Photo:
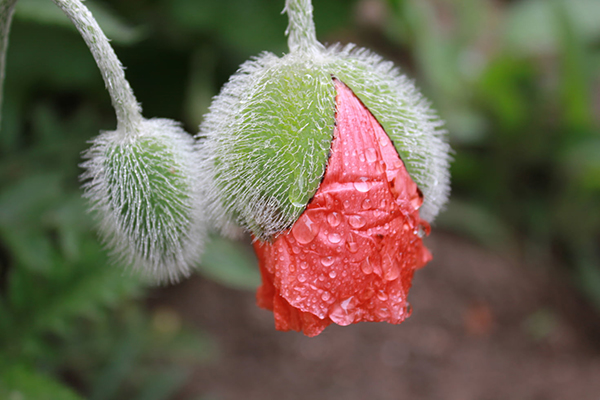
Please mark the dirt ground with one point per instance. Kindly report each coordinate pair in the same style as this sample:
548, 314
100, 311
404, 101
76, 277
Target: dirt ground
484, 327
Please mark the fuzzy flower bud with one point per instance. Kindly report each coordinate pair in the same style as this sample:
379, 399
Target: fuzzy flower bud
140, 179
336, 164
144, 191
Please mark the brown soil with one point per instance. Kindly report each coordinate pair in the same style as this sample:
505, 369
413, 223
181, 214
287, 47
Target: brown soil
483, 327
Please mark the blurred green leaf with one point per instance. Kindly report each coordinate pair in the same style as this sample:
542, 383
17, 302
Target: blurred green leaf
230, 263
531, 26
20, 383
472, 220
45, 12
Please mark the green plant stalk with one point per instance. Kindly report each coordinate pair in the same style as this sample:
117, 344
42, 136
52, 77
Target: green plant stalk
127, 108
301, 31
7, 9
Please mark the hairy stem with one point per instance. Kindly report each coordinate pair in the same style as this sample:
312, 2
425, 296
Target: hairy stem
126, 106
7, 9
301, 28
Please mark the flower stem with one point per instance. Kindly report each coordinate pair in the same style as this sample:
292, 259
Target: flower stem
301, 32
7, 9
123, 100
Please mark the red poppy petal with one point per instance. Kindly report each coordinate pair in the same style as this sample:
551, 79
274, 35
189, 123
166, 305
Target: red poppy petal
351, 255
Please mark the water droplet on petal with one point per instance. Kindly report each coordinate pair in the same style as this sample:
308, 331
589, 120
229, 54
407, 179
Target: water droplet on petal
326, 296
356, 221
334, 238
382, 313
332, 274
346, 204
416, 199
334, 219
362, 185
381, 295
344, 312
390, 269
327, 261
366, 266
352, 247
305, 230
371, 154
366, 205
302, 278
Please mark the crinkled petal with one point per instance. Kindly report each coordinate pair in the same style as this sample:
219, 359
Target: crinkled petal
351, 255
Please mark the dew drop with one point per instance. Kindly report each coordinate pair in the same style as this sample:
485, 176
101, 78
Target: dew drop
327, 261
303, 265
334, 219
366, 205
383, 313
296, 250
326, 296
362, 185
416, 199
371, 154
305, 230
381, 295
341, 316
352, 247
346, 204
332, 274
302, 278
334, 238
366, 266
356, 221
346, 304
390, 269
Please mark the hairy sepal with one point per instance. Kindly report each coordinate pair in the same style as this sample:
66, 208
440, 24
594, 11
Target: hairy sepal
268, 135
406, 116
143, 189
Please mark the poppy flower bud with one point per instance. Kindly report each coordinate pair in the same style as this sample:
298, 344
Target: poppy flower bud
140, 178
144, 190
336, 165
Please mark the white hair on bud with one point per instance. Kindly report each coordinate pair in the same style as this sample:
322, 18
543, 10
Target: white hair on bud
406, 116
260, 166
144, 190
250, 186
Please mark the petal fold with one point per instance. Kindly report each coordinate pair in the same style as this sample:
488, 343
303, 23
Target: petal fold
351, 255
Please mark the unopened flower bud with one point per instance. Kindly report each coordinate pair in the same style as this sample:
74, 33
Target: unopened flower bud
144, 189
336, 164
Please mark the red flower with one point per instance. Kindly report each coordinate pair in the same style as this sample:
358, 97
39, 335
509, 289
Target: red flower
351, 255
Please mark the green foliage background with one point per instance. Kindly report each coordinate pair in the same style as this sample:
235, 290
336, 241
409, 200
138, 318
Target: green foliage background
517, 82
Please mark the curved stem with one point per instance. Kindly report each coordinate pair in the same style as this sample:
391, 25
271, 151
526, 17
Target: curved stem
301, 28
126, 106
7, 9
